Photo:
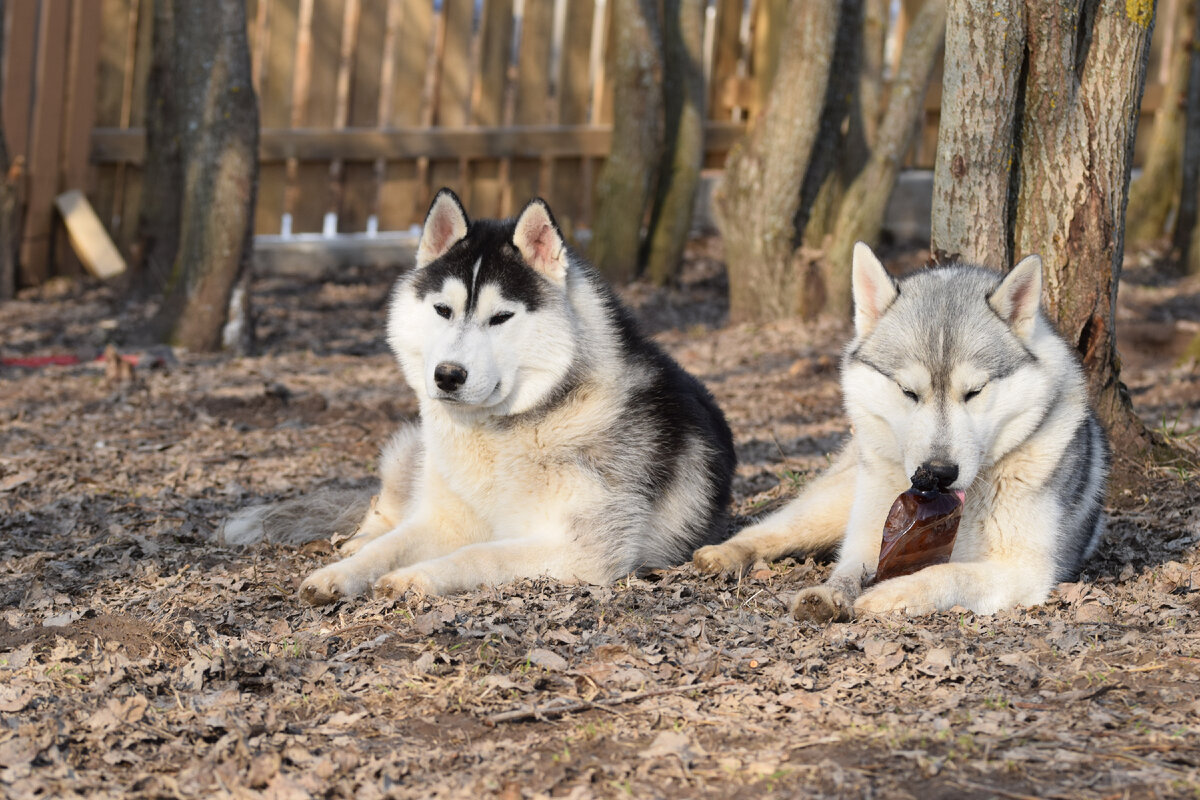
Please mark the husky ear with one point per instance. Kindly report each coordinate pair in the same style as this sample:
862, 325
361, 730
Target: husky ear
1019, 296
541, 242
445, 225
874, 290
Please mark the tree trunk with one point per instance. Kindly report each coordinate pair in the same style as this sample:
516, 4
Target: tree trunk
218, 137
624, 186
1154, 195
980, 85
757, 200
1186, 245
861, 212
158, 218
683, 151
1077, 135
10, 205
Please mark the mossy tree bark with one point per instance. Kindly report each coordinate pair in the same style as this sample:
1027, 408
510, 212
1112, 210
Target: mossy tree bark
683, 149
215, 118
1073, 116
623, 189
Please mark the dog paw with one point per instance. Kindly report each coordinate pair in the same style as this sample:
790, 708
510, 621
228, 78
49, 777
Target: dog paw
406, 581
822, 604
352, 545
891, 596
726, 558
330, 584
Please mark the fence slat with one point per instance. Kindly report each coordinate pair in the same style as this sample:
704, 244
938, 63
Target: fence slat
574, 98
83, 52
401, 197
532, 96
18, 80
133, 113
453, 93
358, 177
488, 100
312, 198
45, 135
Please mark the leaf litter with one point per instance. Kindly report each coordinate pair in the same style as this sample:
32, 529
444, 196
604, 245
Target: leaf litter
140, 658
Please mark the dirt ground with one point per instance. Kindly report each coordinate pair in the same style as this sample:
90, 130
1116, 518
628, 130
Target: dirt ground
139, 658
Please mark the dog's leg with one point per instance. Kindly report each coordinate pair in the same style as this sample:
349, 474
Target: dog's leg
874, 490
814, 521
985, 587
399, 470
487, 564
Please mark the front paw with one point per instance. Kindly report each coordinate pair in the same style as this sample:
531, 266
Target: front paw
727, 558
332, 583
897, 594
822, 604
406, 581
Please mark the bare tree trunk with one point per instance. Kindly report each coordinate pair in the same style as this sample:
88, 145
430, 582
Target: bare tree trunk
624, 186
1077, 136
860, 214
980, 85
757, 200
158, 218
1154, 195
683, 151
10, 206
218, 135
1186, 246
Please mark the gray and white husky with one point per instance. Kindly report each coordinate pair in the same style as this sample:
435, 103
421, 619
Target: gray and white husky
958, 370
553, 439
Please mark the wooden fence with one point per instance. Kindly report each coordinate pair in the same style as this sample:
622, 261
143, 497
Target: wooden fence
368, 106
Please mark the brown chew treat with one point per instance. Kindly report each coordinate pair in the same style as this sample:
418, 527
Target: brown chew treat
920, 528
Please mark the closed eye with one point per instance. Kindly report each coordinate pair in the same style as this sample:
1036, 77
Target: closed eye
442, 310
910, 394
971, 394
501, 318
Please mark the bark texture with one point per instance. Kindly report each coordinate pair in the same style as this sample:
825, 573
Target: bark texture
860, 215
10, 205
1085, 77
158, 218
985, 47
217, 126
1155, 194
624, 185
1186, 244
758, 199
683, 150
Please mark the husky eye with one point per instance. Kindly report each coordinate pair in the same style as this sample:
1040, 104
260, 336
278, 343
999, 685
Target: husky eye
971, 394
442, 310
501, 318
910, 394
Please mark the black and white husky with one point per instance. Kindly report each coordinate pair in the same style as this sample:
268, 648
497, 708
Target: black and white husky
553, 439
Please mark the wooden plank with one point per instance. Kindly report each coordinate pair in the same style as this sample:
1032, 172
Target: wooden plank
83, 52
19, 75
401, 196
454, 87
573, 100
133, 112
488, 96
313, 198
359, 190
45, 136
114, 25
88, 237
727, 50
110, 145
532, 97
276, 54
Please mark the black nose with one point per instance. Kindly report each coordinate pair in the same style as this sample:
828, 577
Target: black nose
945, 473
449, 376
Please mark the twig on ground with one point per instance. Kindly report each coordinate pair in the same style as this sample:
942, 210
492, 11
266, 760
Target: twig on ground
547, 712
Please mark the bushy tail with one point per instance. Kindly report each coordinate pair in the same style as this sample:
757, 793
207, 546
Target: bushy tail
318, 515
